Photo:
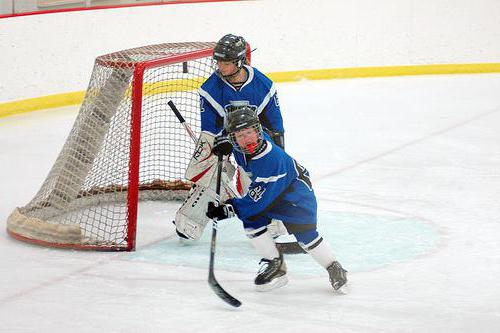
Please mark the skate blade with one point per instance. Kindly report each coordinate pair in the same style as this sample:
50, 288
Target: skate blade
344, 290
274, 284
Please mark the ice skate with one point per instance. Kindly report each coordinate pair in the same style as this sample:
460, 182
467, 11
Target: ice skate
337, 275
271, 275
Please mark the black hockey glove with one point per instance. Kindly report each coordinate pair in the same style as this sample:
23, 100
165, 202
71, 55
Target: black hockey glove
219, 212
222, 146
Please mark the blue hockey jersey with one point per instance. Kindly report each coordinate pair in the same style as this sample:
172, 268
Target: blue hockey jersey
280, 189
259, 91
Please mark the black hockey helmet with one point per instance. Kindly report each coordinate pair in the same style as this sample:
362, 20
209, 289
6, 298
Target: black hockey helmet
240, 117
231, 48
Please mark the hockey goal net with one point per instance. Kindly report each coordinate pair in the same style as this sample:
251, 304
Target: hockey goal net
125, 145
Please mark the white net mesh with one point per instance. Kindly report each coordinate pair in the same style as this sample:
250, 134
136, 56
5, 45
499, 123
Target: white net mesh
87, 190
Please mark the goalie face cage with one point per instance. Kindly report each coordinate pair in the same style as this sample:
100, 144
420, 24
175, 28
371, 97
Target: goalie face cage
125, 145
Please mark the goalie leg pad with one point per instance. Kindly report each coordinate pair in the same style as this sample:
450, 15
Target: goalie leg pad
191, 219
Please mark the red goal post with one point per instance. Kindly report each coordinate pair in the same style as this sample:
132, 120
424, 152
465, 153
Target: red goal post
125, 146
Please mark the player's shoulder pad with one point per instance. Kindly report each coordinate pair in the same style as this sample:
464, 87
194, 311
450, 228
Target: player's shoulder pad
262, 78
212, 81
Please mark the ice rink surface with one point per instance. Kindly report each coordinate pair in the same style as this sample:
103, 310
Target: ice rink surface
407, 175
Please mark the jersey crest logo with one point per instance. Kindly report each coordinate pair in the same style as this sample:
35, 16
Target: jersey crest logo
256, 193
234, 104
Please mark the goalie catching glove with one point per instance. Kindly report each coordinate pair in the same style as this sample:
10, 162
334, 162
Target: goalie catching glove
221, 212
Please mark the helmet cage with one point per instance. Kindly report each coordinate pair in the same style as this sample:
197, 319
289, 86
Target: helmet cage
240, 117
249, 149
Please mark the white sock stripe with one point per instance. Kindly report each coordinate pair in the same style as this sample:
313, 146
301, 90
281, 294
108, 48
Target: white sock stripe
308, 245
251, 232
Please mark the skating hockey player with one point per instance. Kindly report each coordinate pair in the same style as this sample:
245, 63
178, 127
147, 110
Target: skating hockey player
280, 189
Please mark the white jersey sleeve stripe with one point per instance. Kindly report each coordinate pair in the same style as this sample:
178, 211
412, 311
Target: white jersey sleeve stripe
266, 99
269, 179
212, 102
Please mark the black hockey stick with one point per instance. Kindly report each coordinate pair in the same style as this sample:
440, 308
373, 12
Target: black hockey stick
212, 281
182, 120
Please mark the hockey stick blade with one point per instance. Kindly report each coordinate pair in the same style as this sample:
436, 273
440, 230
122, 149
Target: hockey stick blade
219, 291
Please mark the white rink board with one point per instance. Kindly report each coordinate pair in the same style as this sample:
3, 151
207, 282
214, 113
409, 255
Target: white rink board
54, 53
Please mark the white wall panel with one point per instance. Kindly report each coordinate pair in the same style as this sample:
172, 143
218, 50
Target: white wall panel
53, 53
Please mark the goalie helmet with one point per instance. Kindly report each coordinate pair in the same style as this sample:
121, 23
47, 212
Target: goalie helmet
244, 130
231, 48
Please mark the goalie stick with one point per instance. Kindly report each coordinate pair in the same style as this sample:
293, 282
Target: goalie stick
212, 281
